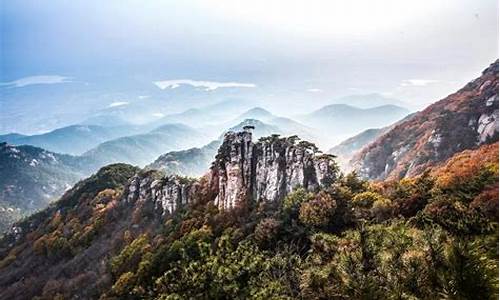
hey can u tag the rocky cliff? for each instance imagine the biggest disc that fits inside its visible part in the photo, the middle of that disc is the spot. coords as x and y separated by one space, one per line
166 194
244 172
268 169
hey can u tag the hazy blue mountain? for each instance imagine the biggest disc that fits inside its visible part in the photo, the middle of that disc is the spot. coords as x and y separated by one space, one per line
337 122
141 149
188 117
257 113
105 120
207 115
11 137
74 139
285 125
32 177
192 162
369 101
231 106
292 127
347 111
346 149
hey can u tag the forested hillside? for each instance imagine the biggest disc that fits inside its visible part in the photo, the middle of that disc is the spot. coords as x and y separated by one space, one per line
464 120
118 235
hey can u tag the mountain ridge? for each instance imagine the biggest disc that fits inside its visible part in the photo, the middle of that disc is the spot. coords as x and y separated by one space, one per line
33 177
463 120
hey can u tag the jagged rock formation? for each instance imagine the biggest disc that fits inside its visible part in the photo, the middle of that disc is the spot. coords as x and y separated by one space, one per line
266 170
464 120
243 172
167 194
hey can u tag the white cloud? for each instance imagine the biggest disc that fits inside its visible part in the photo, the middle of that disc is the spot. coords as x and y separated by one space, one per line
32 80
118 103
417 82
142 97
158 115
314 90
208 85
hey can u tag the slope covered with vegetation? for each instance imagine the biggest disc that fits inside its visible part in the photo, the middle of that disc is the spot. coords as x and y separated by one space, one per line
464 120
423 237
32 177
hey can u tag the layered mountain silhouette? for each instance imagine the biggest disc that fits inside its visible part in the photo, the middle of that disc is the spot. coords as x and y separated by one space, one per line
141 149
348 148
337 122
192 162
75 139
369 101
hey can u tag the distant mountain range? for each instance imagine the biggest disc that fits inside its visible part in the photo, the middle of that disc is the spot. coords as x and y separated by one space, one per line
217 113
464 120
337 122
256 113
335 113
74 139
348 148
325 126
192 162
369 101
141 149
261 128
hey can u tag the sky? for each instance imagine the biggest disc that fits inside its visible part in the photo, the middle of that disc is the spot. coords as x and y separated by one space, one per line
67 58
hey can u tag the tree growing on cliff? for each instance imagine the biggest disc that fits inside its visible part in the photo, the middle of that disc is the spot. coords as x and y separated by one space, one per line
317 211
308 146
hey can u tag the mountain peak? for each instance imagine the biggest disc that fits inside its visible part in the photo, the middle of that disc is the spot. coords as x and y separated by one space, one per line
268 169
258 110
256 113
369 100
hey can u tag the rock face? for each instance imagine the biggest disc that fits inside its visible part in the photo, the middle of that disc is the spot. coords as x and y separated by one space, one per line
464 120
166 194
266 170
243 172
